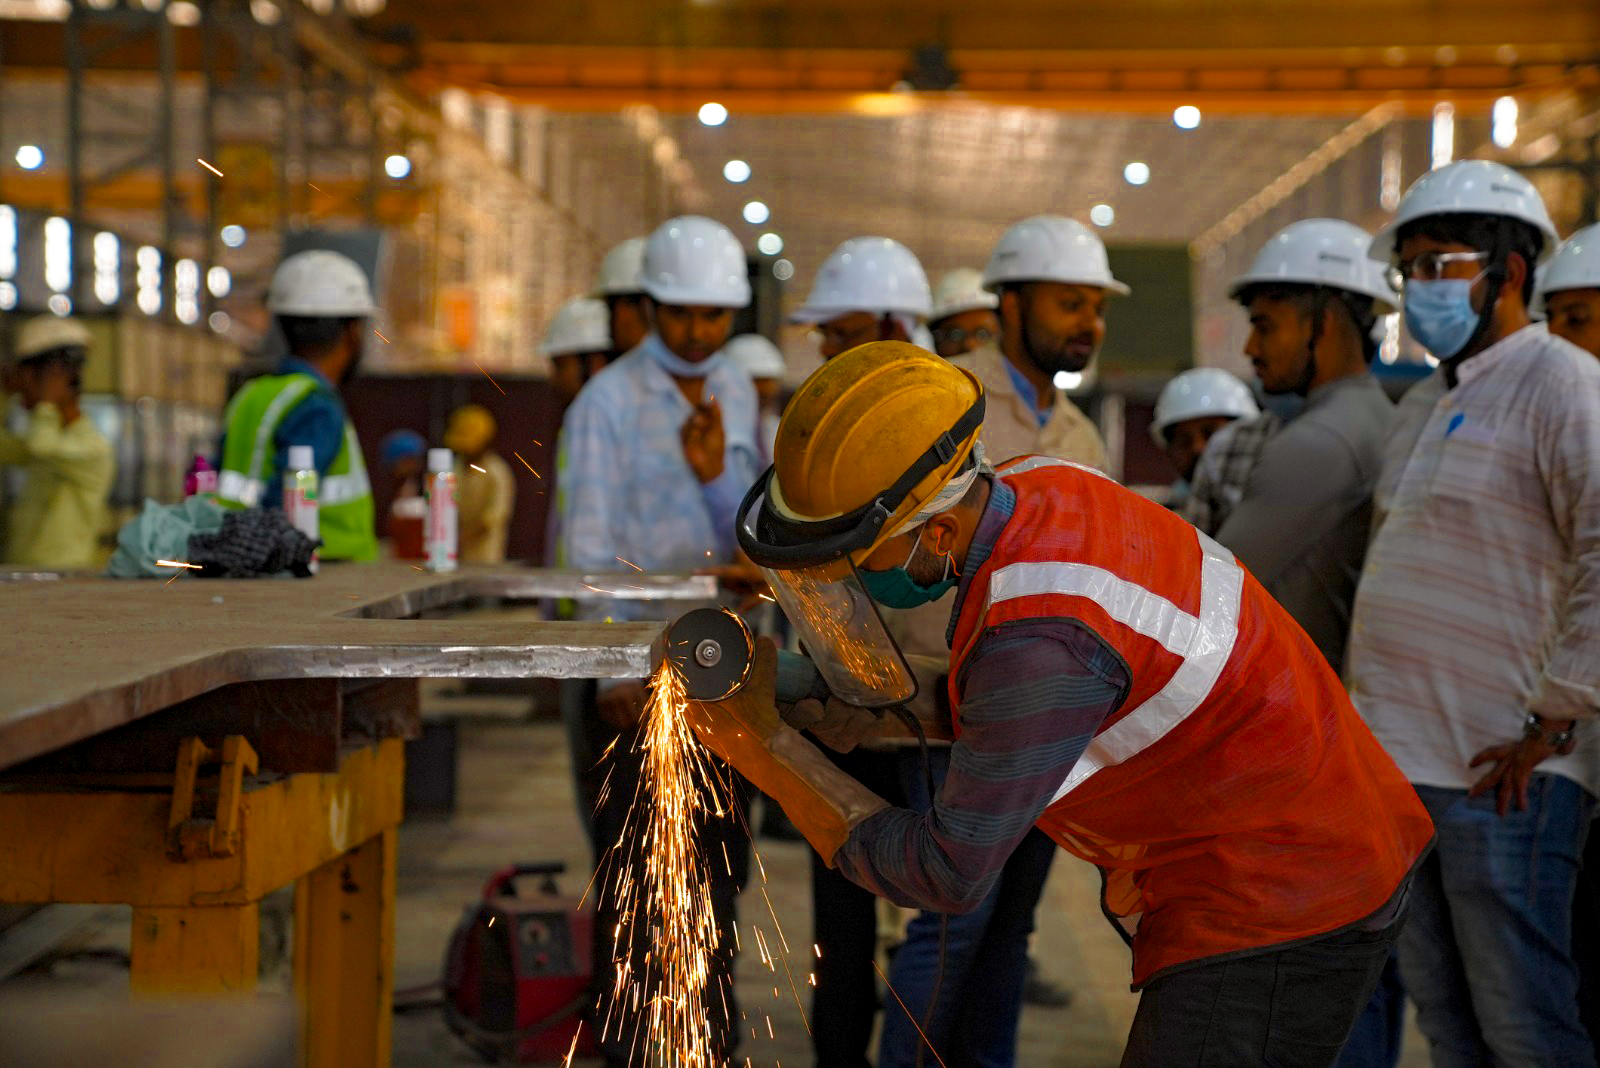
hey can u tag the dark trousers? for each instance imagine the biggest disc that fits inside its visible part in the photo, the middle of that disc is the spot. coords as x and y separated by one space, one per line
715 838
1376 1041
982 955
845 930
1286 1008
1586 937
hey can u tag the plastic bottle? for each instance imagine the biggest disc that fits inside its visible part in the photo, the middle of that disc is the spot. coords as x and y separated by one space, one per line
300 494
201 479
441 510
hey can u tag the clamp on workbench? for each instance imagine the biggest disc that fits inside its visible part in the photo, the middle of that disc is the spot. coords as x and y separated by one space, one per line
190 837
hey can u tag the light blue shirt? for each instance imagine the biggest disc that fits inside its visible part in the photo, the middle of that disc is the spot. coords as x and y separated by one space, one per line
1029 395
626 492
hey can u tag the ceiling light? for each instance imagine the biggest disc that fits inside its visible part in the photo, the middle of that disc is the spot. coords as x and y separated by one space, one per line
736 171
783 270
713 114
1068 379
756 213
1102 215
30 157
1505 122
769 244
233 235
397 166
1186 117
1136 173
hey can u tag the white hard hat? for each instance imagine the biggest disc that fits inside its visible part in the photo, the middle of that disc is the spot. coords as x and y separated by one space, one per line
759 357
1320 252
696 262
1196 394
320 284
871 274
46 333
1576 265
1051 248
961 290
582 324
1468 187
619 271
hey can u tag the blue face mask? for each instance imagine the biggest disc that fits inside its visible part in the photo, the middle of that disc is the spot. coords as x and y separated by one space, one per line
895 588
1440 315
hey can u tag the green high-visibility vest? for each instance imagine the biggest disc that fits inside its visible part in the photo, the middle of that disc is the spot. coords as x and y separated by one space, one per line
345 510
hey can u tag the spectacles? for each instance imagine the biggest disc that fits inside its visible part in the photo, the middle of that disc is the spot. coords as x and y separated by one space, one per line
955 335
846 338
1430 266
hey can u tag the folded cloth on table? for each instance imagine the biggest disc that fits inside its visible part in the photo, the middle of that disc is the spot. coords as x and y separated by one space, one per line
161 532
252 543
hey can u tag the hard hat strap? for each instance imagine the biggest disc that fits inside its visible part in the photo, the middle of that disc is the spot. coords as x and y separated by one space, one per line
807 542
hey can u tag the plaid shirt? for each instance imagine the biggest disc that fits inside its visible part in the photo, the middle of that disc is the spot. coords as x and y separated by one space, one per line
1224 471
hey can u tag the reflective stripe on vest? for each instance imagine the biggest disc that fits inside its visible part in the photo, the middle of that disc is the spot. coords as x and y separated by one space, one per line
342 489
1205 642
1235 801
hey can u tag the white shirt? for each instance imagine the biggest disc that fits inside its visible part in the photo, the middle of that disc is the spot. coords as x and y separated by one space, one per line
1480 598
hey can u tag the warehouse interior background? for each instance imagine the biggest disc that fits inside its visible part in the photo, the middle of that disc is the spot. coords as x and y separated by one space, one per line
158 158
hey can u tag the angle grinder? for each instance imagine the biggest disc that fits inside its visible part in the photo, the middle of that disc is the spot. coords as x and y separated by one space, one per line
714 650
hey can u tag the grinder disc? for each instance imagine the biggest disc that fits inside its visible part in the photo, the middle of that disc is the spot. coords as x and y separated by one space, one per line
712 649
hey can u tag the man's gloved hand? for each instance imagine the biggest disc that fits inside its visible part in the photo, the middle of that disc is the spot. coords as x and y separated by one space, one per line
838 725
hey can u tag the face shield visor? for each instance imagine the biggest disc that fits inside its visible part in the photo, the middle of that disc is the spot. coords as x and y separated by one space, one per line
810 565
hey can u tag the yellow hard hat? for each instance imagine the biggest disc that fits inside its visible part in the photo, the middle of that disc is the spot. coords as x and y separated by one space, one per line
471 430
868 440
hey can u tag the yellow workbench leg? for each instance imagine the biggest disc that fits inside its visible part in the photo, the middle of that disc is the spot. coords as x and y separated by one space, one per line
213 949
344 957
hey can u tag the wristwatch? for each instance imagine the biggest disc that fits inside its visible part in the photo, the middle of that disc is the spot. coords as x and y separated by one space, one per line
1534 727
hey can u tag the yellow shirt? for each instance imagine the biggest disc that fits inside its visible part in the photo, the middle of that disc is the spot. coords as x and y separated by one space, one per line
57 519
486 500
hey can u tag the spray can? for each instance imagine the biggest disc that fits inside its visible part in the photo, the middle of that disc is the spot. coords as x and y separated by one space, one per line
201 480
300 494
441 510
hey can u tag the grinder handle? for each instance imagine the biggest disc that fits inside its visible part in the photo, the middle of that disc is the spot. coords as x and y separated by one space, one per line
798 679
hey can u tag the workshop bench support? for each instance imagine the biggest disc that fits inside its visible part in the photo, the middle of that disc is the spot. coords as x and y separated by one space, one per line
195 882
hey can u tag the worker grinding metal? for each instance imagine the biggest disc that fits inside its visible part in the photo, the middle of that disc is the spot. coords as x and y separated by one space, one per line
57 518
868 289
323 305
1116 678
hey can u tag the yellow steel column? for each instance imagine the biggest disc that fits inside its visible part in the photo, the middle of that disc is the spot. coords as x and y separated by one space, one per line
211 949
344 957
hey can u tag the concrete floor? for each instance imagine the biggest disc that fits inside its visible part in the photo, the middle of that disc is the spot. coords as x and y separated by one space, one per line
516 804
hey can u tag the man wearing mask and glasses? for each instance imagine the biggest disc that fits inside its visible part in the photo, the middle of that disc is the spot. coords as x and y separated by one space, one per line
1474 630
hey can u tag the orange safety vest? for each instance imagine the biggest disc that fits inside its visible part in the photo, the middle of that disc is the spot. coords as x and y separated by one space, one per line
1235 801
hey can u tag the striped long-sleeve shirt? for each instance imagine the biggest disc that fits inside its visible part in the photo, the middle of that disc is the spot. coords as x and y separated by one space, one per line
1033 693
1480 599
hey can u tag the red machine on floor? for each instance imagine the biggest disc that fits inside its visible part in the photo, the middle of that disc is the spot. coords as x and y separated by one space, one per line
517 974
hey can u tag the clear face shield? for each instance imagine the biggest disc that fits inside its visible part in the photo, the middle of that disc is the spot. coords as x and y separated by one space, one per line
843 634
808 564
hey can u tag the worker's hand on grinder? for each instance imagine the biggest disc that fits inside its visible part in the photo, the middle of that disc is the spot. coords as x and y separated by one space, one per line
747 732
704 441
836 724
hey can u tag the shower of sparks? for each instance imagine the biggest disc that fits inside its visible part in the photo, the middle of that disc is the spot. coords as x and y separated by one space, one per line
631 564
572 1050
478 469
209 167
667 909
381 338
177 563
486 374
525 463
